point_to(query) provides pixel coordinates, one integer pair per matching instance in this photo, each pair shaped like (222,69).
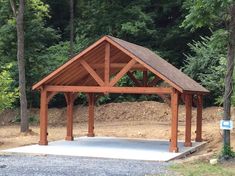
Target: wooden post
(188,107)
(199,119)
(91,102)
(107,64)
(70,101)
(174,121)
(43,118)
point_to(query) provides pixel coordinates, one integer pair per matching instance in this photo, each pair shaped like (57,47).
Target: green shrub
(8,94)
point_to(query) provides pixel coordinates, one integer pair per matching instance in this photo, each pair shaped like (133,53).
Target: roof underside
(73,73)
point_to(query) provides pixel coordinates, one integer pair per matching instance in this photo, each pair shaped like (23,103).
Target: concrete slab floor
(111,147)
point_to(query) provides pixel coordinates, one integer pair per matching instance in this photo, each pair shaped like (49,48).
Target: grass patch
(203,169)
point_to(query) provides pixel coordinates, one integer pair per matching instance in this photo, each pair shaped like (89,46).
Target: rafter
(92,72)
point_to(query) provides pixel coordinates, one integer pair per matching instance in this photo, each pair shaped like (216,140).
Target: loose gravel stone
(20,165)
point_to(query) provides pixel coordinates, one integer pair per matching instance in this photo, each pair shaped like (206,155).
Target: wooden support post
(145,78)
(70,100)
(43,118)
(107,64)
(199,119)
(91,102)
(188,107)
(174,121)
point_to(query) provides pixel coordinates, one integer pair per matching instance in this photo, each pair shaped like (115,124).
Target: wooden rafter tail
(92,73)
(123,71)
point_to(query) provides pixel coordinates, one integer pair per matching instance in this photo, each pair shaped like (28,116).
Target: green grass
(203,169)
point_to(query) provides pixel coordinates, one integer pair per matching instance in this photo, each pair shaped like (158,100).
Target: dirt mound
(146,110)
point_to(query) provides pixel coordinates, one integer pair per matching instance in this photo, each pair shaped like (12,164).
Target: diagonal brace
(123,71)
(92,72)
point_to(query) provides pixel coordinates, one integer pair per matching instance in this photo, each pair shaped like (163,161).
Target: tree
(38,37)
(19,14)
(206,63)
(209,13)
(8,94)
(71,27)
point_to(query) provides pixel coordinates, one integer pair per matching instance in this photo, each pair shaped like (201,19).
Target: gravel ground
(60,165)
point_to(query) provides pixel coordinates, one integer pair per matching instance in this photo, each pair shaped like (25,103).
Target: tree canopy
(189,34)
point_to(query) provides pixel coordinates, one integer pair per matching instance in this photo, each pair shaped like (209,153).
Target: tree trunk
(71,28)
(229,75)
(21,66)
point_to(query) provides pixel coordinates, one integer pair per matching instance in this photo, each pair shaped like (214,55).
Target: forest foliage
(164,26)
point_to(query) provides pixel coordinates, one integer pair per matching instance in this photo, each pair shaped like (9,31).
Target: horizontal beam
(96,89)
(120,66)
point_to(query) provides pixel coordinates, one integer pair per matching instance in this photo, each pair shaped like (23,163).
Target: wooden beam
(145,78)
(133,78)
(188,107)
(91,108)
(165,99)
(107,64)
(174,121)
(154,81)
(199,119)
(50,96)
(119,66)
(97,89)
(43,118)
(92,72)
(122,72)
(70,100)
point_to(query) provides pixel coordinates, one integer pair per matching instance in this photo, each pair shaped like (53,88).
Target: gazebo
(98,68)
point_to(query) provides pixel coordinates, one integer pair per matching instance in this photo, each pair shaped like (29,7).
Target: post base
(90,135)
(198,140)
(69,138)
(174,149)
(43,142)
(188,144)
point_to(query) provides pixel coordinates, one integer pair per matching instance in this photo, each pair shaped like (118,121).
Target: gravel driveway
(20,165)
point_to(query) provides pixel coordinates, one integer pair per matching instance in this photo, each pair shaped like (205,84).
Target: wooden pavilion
(98,68)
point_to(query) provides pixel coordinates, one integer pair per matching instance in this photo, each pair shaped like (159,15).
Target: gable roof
(144,56)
